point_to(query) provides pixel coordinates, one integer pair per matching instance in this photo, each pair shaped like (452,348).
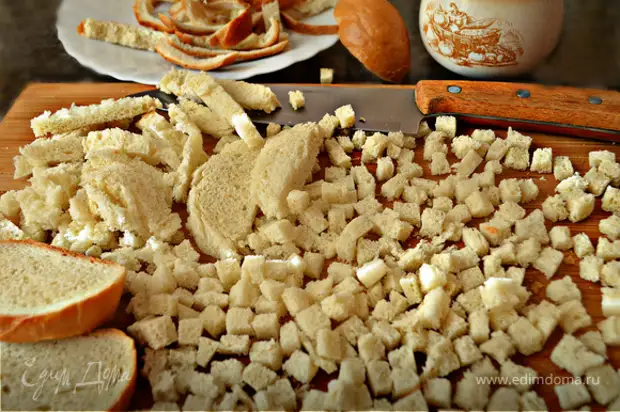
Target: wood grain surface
(15,132)
(545,103)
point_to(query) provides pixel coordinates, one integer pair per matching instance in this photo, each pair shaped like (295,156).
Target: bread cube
(346,143)
(580,207)
(517,158)
(300,366)
(464,188)
(590,268)
(408,212)
(554,208)
(500,347)
(462,145)
(610,274)
(563,168)
(549,261)
(441,359)
(434,143)
(479,205)
(438,392)
(611,302)
(496,230)
(189,331)
(596,157)
(497,150)
(561,238)
(501,293)
(296,99)
(346,116)
(520,377)
(573,316)
(446,124)
(228,372)
(431,277)
(273,129)
(470,300)
(385,169)
(469,164)
(269,352)
(582,245)
(611,200)
(604,383)
(298,201)
(597,181)
(272,290)
(563,290)
(394,187)
(610,227)
(466,349)
(542,160)
(473,239)
(163,304)
(572,395)
(439,164)
(470,393)
(156,333)
(404,381)
(593,340)
(311,320)
(206,350)
(434,308)
(234,345)
(610,328)
(327,75)
(370,348)
(504,399)
(510,190)
(337,155)
(526,337)
(296,299)
(214,320)
(379,377)
(374,146)
(359,138)
(258,377)
(339,306)
(432,222)
(266,326)
(501,318)
(243,294)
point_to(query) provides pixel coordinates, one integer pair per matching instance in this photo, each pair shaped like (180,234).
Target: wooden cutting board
(15,132)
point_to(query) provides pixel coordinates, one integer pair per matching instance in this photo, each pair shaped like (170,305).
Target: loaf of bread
(375,33)
(220,205)
(296,150)
(96,372)
(51,293)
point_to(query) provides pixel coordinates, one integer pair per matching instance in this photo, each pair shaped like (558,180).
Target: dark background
(588,53)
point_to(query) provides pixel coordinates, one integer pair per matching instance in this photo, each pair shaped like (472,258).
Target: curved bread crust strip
(80,311)
(122,34)
(76,117)
(143,10)
(220,206)
(303,28)
(201,52)
(296,150)
(234,31)
(253,41)
(176,56)
(115,351)
(312,7)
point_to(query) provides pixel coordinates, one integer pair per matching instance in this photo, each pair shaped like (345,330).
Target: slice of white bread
(52,293)
(76,117)
(283,165)
(65,147)
(207,121)
(220,204)
(95,372)
(135,37)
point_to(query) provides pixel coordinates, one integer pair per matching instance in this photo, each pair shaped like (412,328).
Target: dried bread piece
(141,38)
(296,150)
(155,124)
(248,95)
(107,350)
(76,117)
(51,293)
(130,195)
(66,147)
(220,206)
(304,28)
(205,119)
(180,58)
(143,10)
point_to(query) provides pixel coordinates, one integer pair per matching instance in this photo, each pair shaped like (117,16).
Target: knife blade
(563,110)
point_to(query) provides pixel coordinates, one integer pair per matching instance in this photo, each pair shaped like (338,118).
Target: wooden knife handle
(532,102)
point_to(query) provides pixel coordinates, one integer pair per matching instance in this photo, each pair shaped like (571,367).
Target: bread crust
(75,319)
(303,28)
(375,33)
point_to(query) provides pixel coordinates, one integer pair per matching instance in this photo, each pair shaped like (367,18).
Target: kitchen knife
(551,109)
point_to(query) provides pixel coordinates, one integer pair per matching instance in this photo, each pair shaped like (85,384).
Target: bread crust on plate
(75,319)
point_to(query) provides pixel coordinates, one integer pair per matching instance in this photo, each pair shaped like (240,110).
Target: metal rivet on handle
(523,93)
(595,100)
(454,89)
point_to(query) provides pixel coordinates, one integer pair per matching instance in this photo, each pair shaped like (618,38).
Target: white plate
(148,67)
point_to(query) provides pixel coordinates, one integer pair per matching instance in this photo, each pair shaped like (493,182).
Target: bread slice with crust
(96,372)
(76,117)
(220,205)
(52,293)
(284,165)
